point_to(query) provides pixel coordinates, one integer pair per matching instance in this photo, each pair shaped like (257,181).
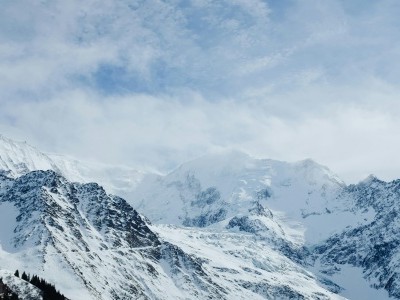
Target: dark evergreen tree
(35,280)
(16,273)
(24,276)
(48,289)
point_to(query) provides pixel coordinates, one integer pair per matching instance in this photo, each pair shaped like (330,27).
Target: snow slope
(19,158)
(23,289)
(240,227)
(255,270)
(302,209)
(219,187)
(93,245)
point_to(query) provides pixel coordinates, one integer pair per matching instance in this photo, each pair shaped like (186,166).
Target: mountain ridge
(206,224)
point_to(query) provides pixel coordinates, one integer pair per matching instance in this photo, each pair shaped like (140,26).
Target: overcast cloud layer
(154,83)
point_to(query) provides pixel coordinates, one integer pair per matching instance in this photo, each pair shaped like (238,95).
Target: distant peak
(309,162)
(220,156)
(8,140)
(227,153)
(369,179)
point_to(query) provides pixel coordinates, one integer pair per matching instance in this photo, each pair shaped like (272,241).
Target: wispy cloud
(159,82)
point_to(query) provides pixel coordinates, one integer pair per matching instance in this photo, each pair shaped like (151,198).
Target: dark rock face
(207,202)
(79,222)
(49,205)
(260,210)
(207,197)
(111,214)
(374,246)
(258,228)
(205,219)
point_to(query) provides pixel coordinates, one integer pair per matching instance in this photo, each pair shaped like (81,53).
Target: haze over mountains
(224,226)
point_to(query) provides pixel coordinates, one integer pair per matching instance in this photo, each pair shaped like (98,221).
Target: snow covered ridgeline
(20,158)
(291,209)
(218,187)
(103,249)
(61,226)
(21,288)
(27,287)
(302,209)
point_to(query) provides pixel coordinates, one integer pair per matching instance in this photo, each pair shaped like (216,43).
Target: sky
(151,84)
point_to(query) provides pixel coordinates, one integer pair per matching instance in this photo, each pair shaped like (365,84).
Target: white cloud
(154,83)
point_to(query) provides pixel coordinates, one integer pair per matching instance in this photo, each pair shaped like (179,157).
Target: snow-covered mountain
(373,245)
(222,186)
(96,246)
(223,226)
(19,158)
(301,208)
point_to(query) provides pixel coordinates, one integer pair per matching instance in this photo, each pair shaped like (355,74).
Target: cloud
(156,132)
(154,83)
(220,48)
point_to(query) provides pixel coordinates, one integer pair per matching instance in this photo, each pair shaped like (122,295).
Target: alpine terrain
(223,226)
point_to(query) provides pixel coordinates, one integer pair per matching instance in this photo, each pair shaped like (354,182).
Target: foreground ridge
(107,250)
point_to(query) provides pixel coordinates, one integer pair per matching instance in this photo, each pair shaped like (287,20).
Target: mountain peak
(19,158)
(370,179)
(222,156)
(6,140)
